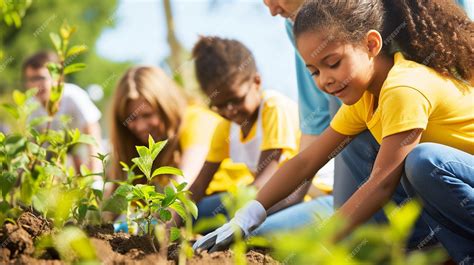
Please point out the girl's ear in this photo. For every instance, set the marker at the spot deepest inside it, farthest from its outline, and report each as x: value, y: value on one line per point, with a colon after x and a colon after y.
x: 257, y: 79
x: 374, y: 42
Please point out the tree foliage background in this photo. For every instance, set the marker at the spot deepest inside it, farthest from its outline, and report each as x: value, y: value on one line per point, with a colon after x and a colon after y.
x: 42, y: 17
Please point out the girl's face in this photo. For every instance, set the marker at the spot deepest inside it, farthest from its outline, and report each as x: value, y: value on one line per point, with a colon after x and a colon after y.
x: 237, y: 103
x: 143, y: 120
x: 340, y: 69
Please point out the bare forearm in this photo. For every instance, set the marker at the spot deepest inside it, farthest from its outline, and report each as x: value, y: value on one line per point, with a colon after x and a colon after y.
x: 94, y: 130
x: 307, y: 140
x: 296, y: 197
x: 383, y: 181
x: 363, y: 204
x: 302, y: 167
x: 199, y: 186
x: 286, y: 180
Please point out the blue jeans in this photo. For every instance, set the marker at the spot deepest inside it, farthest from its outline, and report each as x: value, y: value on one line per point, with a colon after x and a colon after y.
x: 210, y: 206
x: 296, y: 216
x: 443, y: 177
x: 353, y: 167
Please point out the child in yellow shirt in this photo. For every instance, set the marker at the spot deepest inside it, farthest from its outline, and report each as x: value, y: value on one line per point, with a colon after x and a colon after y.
x: 260, y: 128
x: 147, y: 102
x: 414, y: 108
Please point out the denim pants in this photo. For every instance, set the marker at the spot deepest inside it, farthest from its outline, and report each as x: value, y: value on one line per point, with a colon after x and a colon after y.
x: 443, y: 178
x: 296, y: 216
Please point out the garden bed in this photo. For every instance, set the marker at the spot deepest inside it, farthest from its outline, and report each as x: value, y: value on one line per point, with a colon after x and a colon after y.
x: 18, y: 247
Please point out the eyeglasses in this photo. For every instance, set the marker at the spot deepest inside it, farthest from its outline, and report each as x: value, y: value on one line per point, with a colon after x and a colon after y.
x: 35, y: 79
x: 232, y: 103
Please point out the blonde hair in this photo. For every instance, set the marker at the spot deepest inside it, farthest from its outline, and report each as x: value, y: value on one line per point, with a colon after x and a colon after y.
x: 164, y: 96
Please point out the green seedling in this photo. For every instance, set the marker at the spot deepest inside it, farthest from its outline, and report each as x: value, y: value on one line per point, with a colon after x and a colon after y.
x: 370, y: 244
x: 144, y: 203
x: 32, y: 161
x: 72, y: 244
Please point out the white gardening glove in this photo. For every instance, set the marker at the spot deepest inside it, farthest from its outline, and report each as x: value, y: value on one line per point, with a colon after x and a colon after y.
x: 247, y: 219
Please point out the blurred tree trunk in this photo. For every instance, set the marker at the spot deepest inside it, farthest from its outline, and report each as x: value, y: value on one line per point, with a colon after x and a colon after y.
x: 179, y: 60
x: 177, y: 49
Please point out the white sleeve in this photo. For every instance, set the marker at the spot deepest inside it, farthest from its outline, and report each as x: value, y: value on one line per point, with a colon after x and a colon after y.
x: 83, y: 110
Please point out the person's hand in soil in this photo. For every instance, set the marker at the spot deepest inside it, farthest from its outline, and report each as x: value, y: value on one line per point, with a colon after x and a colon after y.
x: 246, y: 220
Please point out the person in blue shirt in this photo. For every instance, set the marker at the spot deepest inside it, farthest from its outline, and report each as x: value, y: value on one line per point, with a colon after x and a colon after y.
x: 316, y: 110
x: 468, y: 5
x: 352, y: 166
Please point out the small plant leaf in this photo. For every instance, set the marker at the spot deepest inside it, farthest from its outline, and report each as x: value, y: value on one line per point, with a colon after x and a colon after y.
x: 87, y: 139
x: 188, y: 204
x: 19, y: 98
x: 73, y: 243
x: 124, y: 166
x: 7, y: 180
x: 179, y: 209
x: 56, y: 40
x: 175, y: 234
x: 156, y: 148
x: 116, y: 203
x: 165, y: 215
x: 11, y: 109
x: 4, y: 206
x: 76, y: 50
x: 72, y: 68
x: 170, y: 196
x: 39, y: 121
x: 143, y: 151
x: 167, y: 171
x: 123, y: 190
x: 98, y: 193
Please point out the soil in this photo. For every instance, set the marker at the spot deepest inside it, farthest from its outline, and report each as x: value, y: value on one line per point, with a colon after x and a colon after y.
x: 17, y: 247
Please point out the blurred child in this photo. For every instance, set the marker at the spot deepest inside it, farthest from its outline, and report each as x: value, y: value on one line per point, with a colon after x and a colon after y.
x: 147, y: 102
x: 75, y: 103
x: 260, y: 128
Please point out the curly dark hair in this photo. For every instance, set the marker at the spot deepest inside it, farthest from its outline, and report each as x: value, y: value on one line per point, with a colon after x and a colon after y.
x: 222, y: 61
x: 436, y: 33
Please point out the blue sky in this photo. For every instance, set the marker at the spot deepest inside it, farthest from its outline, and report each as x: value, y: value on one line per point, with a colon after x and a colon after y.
x: 140, y: 34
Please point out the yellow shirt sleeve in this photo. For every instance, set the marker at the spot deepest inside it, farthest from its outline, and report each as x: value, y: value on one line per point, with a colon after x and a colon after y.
x: 199, y: 125
x: 403, y: 109
x: 280, y: 126
x: 349, y: 119
x: 220, y: 143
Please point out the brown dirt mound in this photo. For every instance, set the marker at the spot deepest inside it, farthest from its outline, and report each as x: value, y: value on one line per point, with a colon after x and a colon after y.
x: 17, y: 247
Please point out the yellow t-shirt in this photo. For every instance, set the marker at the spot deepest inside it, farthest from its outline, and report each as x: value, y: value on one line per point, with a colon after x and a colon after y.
x: 414, y: 96
x: 199, y: 125
x: 198, y: 128
x: 280, y: 130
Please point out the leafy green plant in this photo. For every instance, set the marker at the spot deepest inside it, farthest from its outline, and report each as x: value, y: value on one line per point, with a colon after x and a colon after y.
x: 370, y: 244
x: 145, y: 204
x: 72, y: 244
x: 12, y: 13
x: 33, y: 161
x: 34, y: 173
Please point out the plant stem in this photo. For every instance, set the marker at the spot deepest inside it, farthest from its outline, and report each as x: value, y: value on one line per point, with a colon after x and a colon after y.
x: 152, y: 244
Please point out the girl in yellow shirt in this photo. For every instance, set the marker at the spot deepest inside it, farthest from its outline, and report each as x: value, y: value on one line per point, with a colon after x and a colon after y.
x: 417, y: 105
x: 147, y: 102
